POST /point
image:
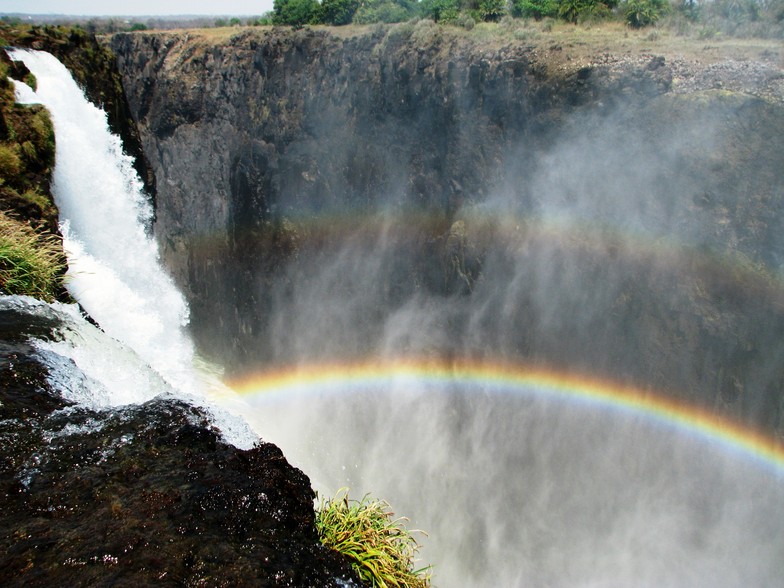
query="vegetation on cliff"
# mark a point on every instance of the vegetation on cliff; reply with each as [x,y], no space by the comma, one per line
[31,262]
[380,548]
[31,258]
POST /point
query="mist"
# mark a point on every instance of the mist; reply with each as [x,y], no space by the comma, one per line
[637,245]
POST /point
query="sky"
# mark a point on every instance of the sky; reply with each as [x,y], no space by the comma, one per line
[136,7]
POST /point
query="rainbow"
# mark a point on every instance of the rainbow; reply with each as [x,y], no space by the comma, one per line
[517,379]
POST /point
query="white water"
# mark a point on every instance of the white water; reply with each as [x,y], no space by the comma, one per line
[514,491]
[114,268]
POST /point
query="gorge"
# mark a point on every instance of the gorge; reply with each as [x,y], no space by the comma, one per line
[518,289]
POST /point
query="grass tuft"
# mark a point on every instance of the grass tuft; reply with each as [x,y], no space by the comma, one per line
[31,262]
[380,548]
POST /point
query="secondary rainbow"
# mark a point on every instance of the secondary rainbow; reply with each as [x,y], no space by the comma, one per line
[316,379]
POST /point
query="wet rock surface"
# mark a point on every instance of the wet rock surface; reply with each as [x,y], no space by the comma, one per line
[141,495]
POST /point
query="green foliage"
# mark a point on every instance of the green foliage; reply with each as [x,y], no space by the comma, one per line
[29,151]
[643,13]
[468,22]
[30,80]
[575,11]
[10,164]
[492,10]
[39,201]
[138,26]
[537,9]
[569,10]
[380,548]
[31,263]
[690,9]
[42,134]
[386,11]
[441,10]
[338,12]
[296,13]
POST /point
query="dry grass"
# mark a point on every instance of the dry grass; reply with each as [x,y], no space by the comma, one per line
[31,263]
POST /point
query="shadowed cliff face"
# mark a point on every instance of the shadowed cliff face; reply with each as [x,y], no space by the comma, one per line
[407,192]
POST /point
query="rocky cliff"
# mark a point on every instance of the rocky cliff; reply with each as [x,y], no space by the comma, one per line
[136,495]
[608,204]
[139,495]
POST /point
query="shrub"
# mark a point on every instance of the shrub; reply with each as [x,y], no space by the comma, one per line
[536,9]
[575,11]
[338,12]
[42,132]
[468,22]
[441,10]
[380,548]
[643,13]
[28,150]
[30,80]
[492,10]
[38,200]
[295,12]
[10,164]
[569,10]
[31,263]
[375,12]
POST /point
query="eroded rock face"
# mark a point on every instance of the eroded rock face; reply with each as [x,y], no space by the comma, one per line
[280,124]
[141,495]
[612,214]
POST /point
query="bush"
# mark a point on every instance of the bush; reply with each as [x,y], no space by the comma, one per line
[569,10]
[10,164]
[575,11]
[492,10]
[643,13]
[468,22]
[441,10]
[295,12]
[536,9]
[386,11]
[30,80]
[31,263]
[29,152]
[42,133]
[380,548]
[338,12]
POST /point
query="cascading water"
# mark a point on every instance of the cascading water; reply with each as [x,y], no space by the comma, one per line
[113,267]
[520,481]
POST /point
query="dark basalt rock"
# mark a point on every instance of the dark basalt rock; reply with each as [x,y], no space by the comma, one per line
[141,495]
[274,145]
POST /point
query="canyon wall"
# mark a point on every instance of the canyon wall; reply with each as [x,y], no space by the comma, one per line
[613,213]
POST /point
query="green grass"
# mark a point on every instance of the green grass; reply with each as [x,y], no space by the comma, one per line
[31,262]
[379,546]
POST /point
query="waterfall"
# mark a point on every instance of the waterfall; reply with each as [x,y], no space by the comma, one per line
[521,477]
[114,268]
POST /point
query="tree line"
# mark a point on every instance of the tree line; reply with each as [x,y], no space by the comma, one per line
[768,14]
